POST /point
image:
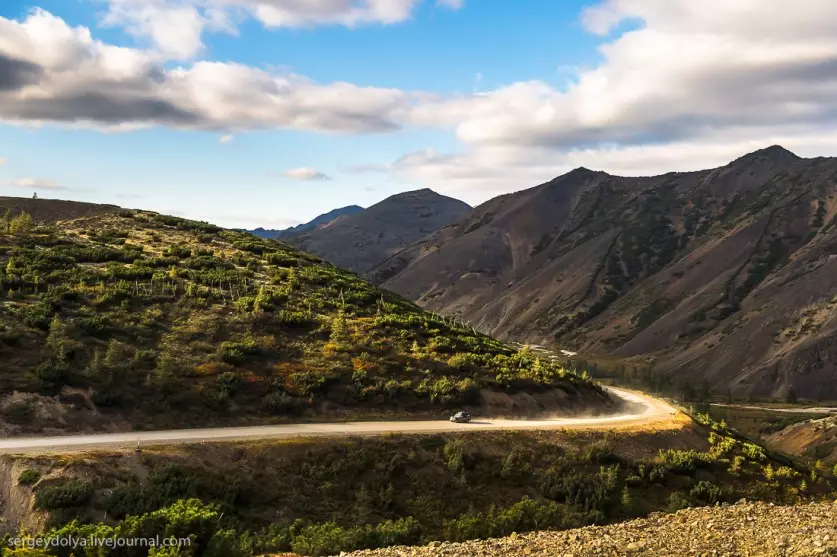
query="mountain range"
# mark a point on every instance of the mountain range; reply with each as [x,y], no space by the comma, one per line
[321,220]
[360,239]
[726,276]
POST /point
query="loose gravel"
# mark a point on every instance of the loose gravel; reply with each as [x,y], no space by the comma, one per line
[743,529]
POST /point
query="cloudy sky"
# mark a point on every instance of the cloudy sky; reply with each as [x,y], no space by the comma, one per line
[269,112]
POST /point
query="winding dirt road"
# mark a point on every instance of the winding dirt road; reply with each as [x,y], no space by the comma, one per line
[640,410]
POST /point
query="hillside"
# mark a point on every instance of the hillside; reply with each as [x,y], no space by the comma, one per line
[135,319]
[323,496]
[362,240]
[314,224]
[815,439]
[53,210]
[724,276]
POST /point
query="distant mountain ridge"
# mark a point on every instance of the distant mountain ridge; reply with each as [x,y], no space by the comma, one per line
[361,240]
[726,275]
[308,226]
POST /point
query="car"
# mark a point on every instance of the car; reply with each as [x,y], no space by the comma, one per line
[461,418]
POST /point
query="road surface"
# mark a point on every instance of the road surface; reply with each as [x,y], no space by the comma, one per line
[640,409]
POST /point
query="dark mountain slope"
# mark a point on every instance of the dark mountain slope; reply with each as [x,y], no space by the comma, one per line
[321,220]
[723,275]
[52,210]
[360,241]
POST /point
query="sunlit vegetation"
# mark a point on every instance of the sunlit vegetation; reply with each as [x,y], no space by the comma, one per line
[320,498]
[165,316]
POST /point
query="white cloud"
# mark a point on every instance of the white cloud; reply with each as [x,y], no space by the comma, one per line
[2,161]
[226,139]
[176,27]
[51,72]
[692,86]
[305,174]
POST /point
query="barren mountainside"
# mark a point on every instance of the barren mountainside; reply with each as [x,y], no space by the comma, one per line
[726,275]
[362,240]
[322,220]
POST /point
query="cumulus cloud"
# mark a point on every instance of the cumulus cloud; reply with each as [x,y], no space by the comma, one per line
[690,86]
[305,174]
[2,161]
[226,139]
[51,72]
[176,27]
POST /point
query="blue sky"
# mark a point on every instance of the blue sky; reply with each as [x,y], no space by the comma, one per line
[471,98]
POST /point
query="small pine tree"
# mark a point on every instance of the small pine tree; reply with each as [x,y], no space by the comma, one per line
[791,397]
[339,332]
[61,345]
[627,500]
[834,471]
[21,224]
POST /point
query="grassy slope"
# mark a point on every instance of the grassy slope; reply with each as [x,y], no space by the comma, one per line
[323,496]
[157,321]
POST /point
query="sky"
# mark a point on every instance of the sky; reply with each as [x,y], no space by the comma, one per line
[267,113]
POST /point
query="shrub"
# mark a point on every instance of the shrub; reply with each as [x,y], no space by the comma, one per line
[29,477]
[683,462]
[524,516]
[237,353]
[70,493]
[282,404]
[706,492]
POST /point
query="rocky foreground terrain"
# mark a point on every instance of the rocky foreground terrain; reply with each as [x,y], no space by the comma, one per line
[742,529]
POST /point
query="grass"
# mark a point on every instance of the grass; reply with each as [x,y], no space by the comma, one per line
[166,321]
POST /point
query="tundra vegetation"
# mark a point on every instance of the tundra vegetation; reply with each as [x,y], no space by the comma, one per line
[163,321]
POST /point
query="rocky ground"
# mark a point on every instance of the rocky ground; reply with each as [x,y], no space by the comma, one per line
[743,529]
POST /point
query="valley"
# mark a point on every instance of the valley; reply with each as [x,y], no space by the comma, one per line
[719,276]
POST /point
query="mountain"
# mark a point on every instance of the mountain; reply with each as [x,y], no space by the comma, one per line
[321,220]
[360,241]
[132,317]
[725,276]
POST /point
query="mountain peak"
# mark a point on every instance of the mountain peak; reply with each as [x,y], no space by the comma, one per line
[772,153]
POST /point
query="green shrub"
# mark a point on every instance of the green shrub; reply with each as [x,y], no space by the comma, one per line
[238,353]
[29,477]
[69,493]
[683,462]
[706,492]
[282,404]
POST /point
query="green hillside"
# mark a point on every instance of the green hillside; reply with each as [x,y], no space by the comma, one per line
[136,318]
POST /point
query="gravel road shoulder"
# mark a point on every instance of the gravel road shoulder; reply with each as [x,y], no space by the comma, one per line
[743,529]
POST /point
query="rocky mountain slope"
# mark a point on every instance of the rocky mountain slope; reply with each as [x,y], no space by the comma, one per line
[757,530]
[815,439]
[314,224]
[136,318]
[360,241]
[724,275]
